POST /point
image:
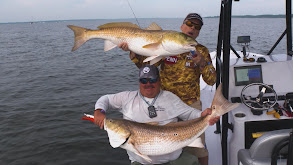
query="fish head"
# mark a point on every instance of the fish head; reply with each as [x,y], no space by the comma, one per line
[117,130]
[177,43]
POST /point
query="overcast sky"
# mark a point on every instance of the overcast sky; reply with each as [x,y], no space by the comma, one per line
[44,10]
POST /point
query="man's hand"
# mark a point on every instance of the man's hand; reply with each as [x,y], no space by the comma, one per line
[208,111]
[199,60]
[123,46]
[99,118]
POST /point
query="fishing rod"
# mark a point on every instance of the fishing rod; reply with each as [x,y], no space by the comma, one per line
[133,12]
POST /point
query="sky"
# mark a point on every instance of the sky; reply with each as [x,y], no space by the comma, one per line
[46,10]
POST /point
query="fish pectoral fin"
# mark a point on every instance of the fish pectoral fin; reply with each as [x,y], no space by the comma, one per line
[152,46]
[148,159]
[145,157]
[196,143]
[116,142]
[153,59]
[154,26]
[108,45]
[116,139]
[136,151]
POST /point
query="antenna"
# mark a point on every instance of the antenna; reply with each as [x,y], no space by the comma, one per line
[244,41]
[133,13]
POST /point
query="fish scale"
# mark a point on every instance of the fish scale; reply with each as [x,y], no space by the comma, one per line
[155,141]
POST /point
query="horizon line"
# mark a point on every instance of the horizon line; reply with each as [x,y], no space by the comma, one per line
[237,16]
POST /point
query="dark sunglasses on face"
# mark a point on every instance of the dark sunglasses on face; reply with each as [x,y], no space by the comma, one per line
[146,80]
[190,24]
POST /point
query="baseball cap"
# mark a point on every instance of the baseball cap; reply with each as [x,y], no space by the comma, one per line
[194,16]
[149,71]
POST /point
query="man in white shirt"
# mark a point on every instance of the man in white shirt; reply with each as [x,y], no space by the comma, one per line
[150,104]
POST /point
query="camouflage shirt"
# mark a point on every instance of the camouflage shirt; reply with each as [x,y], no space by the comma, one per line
[180,75]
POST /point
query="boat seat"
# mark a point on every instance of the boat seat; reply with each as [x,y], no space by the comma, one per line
[261,149]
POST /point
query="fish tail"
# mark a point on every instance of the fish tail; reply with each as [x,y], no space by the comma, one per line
[220,104]
[80,36]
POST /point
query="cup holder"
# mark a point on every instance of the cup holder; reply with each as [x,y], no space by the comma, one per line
[240,115]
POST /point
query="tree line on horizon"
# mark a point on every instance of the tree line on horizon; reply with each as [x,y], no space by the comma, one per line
[256,16]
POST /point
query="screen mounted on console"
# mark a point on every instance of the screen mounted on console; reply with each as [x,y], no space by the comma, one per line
[245,75]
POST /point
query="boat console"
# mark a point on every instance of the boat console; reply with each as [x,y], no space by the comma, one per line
[264,86]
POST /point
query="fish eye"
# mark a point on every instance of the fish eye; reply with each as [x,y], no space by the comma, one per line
[175,134]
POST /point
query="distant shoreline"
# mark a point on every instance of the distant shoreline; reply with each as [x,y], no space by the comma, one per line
[236,16]
[255,16]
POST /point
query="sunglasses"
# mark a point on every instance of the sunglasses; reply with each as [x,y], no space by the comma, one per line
[190,24]
[146,80]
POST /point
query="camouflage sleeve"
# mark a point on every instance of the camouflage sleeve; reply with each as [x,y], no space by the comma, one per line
[209,74]
[138,60]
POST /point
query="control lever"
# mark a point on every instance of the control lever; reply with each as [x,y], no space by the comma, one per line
[277,111]
[289,102]
[290,107]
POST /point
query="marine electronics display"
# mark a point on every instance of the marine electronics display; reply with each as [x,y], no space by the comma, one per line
[245,75]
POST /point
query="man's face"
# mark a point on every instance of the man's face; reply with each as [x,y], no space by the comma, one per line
[150,90]
[191,31]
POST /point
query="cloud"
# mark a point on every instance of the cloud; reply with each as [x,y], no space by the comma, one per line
[258,7]
[42,10]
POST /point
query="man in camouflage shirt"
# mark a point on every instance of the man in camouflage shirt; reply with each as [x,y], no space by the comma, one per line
[181,74]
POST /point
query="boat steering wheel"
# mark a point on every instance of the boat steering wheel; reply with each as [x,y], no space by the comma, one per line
[260,102]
